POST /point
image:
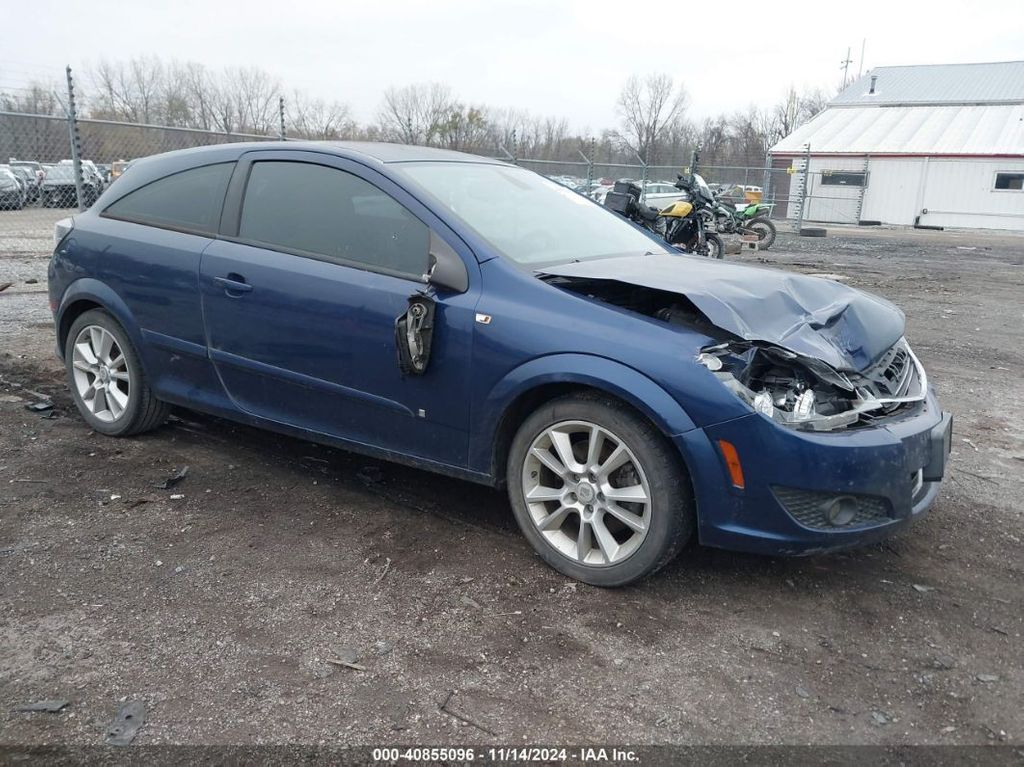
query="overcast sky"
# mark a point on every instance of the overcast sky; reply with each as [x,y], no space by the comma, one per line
[556,57]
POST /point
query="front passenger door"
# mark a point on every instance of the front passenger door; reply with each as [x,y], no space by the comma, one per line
[301,300]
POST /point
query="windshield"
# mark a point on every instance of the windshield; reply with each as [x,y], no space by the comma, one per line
[702,185]
[528,218]
[60,173]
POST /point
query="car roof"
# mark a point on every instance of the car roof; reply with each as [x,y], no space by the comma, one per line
[148,169]
[373,152]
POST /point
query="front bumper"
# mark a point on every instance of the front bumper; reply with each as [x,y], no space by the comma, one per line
[892,473]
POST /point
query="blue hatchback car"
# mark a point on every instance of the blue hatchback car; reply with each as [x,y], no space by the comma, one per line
[470,317]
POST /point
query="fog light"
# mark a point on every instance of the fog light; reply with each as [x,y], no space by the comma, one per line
[841,511]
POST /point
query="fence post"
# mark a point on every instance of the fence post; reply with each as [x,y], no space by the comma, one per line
[590,165]
[643,177]
[76,146]
[280,108]
[804,178]
[766,183]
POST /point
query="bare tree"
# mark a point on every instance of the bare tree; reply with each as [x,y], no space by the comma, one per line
[647,107]
[413,114]
[131,90]
[317,119]
[464,128]
[35,98]
[254,95]
[201,89]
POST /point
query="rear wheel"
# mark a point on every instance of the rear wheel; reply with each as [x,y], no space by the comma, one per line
[107,382]
[765,231]
[598,492]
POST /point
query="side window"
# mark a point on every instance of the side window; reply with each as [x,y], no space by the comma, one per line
[189,200]
[328,212]
[1010,182]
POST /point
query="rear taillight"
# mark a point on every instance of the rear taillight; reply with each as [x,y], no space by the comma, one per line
[61,230]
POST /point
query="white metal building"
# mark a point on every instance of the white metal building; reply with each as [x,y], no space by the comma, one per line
[939,145]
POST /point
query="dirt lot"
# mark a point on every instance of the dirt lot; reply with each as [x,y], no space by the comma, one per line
[218,601]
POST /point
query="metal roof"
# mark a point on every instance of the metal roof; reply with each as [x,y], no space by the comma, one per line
[994,83]
[915,130]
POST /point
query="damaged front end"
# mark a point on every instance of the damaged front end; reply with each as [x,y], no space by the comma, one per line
[804,393]
[808,353]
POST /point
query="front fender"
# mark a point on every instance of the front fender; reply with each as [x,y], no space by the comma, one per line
[89,289]
[593,371]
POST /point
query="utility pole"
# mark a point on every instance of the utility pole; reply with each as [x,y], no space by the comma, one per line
[845,66]
[280,109]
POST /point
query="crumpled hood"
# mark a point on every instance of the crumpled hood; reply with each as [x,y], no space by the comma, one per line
[843,327]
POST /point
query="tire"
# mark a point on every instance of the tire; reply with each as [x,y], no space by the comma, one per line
[609,552]
[125,406]
[716,246]
[765,231]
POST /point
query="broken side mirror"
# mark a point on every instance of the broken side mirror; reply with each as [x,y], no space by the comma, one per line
[446,269]
[414,332]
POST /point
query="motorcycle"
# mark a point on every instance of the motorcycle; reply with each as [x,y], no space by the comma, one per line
[681,224]
[725,217]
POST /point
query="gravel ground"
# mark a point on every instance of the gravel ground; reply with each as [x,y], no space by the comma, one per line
[218,602]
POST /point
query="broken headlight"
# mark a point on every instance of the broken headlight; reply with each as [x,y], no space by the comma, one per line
[805,393]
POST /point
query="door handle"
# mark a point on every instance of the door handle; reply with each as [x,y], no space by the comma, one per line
[233,284]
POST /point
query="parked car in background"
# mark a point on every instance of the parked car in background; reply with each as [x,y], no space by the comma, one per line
[117,168]
[59,187]
[22,180]
[659,194]
[12,190]
[89,172]
[33,167]
[473,318]
[599,190]
[88,166]
[32,185]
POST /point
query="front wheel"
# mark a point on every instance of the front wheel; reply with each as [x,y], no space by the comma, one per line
[598,491]
[715,246]
[765,231]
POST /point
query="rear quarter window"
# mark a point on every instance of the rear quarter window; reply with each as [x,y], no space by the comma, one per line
[190,200]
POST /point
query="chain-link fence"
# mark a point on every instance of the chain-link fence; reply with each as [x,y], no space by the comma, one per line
[796,192]
[773,187]
[50,164]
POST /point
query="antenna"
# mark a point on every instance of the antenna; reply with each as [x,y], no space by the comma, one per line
[860,67]
[845,66]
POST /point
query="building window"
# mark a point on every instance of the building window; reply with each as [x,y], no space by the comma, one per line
[842,178]
[1010,182]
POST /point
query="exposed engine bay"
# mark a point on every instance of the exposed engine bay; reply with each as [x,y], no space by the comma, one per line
[807,394]
[794,389]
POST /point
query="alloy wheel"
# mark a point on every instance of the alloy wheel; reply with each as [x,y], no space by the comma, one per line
[587,493]
[101,373]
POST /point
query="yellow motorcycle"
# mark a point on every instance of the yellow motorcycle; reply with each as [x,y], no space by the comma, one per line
[679,223]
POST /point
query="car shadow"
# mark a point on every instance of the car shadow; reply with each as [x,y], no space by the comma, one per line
[483,508]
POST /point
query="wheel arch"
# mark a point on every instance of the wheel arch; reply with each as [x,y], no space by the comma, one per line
[86,294]
[539,381]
